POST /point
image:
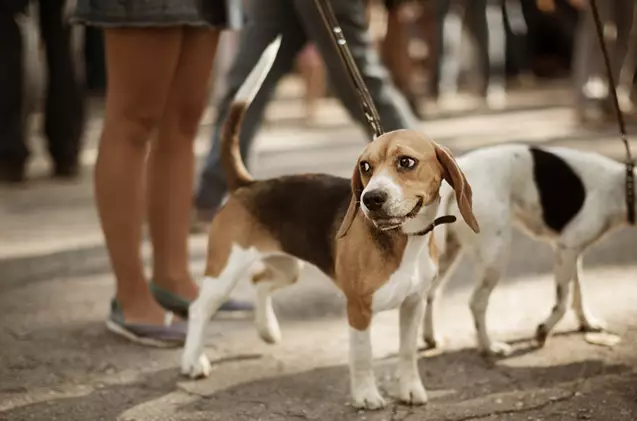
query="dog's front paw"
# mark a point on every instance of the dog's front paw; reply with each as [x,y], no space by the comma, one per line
[413,393]
[196,368]
[433,342]
[497,349]
[367,396]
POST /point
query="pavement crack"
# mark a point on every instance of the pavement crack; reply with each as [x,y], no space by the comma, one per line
[396,416]
[522,410]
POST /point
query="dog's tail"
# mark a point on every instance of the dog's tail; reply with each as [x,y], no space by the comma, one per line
[234,169]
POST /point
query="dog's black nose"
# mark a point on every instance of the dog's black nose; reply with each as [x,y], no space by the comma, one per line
[374,199]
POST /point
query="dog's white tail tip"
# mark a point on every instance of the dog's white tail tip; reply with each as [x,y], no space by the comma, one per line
[253,82]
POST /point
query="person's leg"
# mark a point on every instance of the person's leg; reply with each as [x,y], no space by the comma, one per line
[141,63]
[171,163]
[13,150]
[628,67]
[622,12]
[516,32]
[395,53]
[487,23]
[448,35]
[312,70]
[590,80]
[392,106]
[269,18]
[64,115]
[582,61]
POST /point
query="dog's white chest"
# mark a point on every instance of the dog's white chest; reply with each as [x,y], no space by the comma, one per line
[413,276]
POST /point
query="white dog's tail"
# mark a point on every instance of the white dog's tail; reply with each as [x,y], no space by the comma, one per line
[234,169]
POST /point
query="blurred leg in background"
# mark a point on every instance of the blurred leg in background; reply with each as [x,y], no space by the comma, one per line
[444,81]
[13,149]
[312,70]
[64,103]
[486,21]
[395,51]
[592,95]
[64,107]
[628,70]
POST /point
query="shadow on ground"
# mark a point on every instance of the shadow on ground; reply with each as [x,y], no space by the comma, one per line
[461,386]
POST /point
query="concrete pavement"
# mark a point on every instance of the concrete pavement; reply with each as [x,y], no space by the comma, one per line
[58,362]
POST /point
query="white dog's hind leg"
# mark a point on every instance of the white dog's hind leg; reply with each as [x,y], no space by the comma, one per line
[447,263]
[564,270]
[487,281]
[587,323]
[280,271]
[491,259]
[213,293]
[412,390]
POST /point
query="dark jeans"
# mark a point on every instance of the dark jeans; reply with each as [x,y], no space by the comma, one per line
[64,107]
[299,21]
[485,20]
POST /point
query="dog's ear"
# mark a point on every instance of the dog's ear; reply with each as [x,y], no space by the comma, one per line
[354,204]
[457,180]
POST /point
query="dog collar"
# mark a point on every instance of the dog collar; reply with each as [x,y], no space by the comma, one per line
[446,219]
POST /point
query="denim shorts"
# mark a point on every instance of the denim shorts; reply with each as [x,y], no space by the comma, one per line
[149,13]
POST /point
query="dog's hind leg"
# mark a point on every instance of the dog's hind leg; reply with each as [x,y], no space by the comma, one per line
[213,293]
[280,271]
[447,262]
[491,258]
[564,271]
[587,323]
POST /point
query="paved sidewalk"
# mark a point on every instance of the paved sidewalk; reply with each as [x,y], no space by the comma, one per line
[57,362]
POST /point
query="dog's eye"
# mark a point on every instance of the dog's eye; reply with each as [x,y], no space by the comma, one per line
[406,162]
[364,166]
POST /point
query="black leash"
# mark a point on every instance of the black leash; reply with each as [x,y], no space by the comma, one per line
[630,163]
[340,44]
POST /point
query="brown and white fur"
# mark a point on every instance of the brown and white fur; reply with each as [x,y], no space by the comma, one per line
[564,197]
[355,231]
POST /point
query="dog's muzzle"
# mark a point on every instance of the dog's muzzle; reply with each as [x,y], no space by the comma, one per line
[374,205]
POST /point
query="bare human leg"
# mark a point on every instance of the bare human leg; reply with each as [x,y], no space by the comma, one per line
[141,63]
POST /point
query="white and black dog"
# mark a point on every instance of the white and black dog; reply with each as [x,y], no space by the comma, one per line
[562,196]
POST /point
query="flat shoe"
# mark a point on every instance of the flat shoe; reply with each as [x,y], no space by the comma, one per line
[167,336]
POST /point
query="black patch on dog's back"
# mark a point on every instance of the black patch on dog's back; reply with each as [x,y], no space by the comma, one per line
[304,213]
[561,190]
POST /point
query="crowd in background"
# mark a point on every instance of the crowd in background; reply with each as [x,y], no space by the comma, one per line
[428,58]
[423,44]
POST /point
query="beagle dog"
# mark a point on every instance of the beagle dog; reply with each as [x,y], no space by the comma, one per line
[371,234]
[564,197]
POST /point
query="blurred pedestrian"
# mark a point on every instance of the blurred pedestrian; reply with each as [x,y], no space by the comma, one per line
[159,56]
[395,50]
[485,21]
[312,70]
[64,103]
[592,90]
[298,21]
